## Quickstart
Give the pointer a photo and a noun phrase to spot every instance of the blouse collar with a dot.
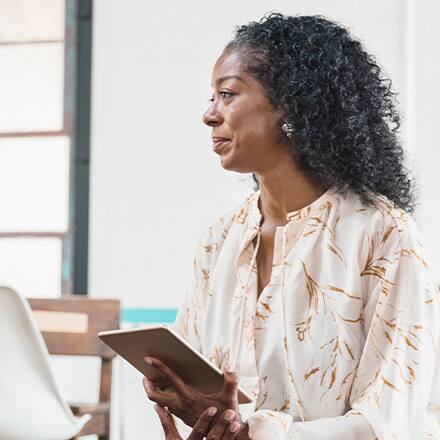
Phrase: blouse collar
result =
(321, 203)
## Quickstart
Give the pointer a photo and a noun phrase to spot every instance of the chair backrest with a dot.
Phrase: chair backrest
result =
(31, 405)
(69, 325)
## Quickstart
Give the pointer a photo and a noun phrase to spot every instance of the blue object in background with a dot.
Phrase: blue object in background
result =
(148, 316)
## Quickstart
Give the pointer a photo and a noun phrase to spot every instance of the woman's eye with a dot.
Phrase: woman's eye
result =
(225, 94)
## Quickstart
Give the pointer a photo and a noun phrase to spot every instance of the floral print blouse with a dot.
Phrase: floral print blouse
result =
(342, 342)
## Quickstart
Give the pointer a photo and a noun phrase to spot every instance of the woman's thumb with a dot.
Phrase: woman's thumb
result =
(230, 383)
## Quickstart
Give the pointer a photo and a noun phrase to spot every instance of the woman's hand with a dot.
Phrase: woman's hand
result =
(186, 402)
(225, 428)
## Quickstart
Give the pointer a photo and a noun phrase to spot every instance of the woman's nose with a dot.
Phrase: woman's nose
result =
(212, 116)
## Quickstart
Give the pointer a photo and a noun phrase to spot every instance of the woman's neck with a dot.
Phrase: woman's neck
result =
(284, 189)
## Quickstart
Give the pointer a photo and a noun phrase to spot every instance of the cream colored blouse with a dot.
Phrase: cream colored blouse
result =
(342, 343)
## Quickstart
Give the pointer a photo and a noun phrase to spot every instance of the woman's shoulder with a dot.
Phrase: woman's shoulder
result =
(381, 221)
(235, 222)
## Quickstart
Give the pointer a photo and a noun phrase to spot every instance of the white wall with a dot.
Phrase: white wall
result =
(156, 185)
(426, 136)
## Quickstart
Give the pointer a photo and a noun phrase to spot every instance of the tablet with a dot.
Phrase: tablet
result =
(166, 345)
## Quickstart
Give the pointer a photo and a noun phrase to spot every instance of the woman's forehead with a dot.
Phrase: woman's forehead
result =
(229, 65)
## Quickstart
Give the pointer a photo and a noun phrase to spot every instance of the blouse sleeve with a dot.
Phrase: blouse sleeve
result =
(188, 317)
(391, 390)
(190, 314)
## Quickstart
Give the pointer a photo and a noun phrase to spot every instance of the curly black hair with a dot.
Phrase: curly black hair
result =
(338, 100)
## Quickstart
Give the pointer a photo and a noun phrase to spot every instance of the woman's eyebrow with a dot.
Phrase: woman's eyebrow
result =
(224, 78)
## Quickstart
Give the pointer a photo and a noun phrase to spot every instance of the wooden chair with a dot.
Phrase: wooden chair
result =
(69, 325)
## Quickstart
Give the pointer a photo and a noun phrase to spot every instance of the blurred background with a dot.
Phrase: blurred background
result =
(107, 177)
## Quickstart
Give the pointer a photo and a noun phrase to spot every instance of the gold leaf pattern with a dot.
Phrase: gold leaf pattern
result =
(220, 355)
(312, 371)
(347, 322)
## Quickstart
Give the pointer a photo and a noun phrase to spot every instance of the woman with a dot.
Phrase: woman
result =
(315, 291)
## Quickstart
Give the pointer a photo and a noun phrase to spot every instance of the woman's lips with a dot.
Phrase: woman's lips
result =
(218, 143)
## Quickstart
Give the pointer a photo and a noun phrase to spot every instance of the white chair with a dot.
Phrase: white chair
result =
(31, 406)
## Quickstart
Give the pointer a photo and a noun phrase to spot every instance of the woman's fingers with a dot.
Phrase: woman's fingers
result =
(232, 431)
(230, 385)
(158, 382)
(163, 398)
(219, 428)
(225, 427)
(168, 424)
(168, 374)
(201, 428)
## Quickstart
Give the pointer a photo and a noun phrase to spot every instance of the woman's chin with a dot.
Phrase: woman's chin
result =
(231, 165)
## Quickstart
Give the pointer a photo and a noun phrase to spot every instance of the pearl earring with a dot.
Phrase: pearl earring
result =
(288, 130)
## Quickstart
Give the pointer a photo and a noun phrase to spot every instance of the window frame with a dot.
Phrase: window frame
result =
(76, 126)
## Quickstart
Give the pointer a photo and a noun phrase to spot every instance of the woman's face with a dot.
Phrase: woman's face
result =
(245, 126)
